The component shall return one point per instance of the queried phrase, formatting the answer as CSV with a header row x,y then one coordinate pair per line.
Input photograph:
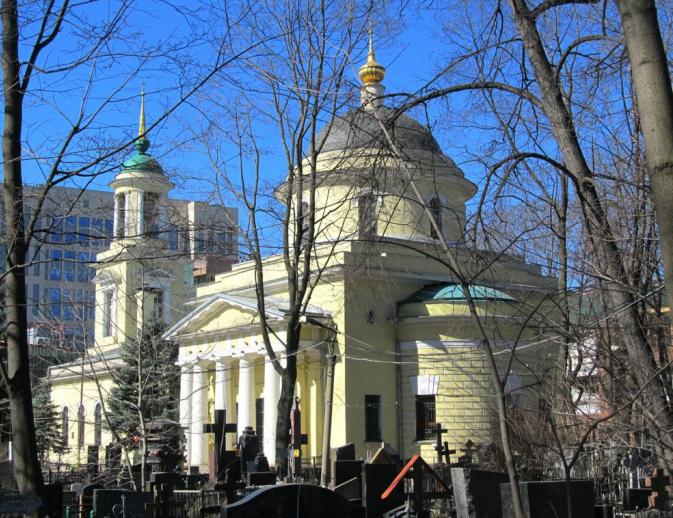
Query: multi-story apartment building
x,y
77,224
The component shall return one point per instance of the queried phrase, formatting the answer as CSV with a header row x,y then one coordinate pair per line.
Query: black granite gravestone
x,y
53,498
290,500
345,452
375,480
172,479
477,493
86,498
346,469
636,498
105,500
548,498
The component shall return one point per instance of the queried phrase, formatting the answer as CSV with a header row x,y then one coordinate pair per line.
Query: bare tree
x,y
81,153
302,76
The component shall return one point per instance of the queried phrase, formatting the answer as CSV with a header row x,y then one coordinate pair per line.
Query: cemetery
x,y
458,484
408,334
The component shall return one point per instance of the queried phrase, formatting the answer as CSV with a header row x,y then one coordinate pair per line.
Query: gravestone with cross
x,y
220,428
442,449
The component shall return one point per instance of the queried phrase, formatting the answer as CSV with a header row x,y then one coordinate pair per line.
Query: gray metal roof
x,y
361,129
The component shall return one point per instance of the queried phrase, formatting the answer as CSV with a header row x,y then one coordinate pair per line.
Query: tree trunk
x,y
598,228
654,100
288,380
26,465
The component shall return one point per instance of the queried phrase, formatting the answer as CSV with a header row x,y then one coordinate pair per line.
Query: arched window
x,y
367,215
120,215
156,297
151,214
98,424
64,426
80,426
107,322
436,210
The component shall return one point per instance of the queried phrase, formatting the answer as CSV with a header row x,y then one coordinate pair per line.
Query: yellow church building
x,y
409,354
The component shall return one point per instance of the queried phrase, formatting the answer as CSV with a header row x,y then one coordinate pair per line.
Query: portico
x,y
229,369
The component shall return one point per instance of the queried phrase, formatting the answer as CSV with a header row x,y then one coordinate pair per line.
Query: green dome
x,y
453,292
141,160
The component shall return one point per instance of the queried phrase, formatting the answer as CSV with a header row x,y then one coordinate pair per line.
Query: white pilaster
x,y
186,385
271,392
116,222
198,456
246,393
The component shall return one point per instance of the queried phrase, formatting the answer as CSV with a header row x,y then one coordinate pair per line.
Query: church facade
x,y
410,352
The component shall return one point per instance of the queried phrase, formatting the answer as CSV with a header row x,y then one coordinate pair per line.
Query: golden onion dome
x,y
372,72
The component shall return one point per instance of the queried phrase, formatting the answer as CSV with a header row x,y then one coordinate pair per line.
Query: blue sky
x,y
407,46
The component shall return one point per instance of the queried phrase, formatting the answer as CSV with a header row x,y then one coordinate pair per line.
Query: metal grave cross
x,y
220,428
442,449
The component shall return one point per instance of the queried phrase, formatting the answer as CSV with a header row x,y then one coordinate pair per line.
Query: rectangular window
x,y
98,231
69,266
36,300
425,417
109,231
84,272
367,216
67,305
91,305
107,322
200,241
55,265
84,230
372,418
56,230
70,229
120,216
186,242
151,214
172,237
53,296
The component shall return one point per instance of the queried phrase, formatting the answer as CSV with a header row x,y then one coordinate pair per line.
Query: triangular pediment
x,y
220,313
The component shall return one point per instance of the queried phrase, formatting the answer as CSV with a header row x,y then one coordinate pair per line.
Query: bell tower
x,y
140,284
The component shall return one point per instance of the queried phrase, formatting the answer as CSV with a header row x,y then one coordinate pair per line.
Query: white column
x,y
198,456
116,222
246,393
186,385
140,218
271,392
